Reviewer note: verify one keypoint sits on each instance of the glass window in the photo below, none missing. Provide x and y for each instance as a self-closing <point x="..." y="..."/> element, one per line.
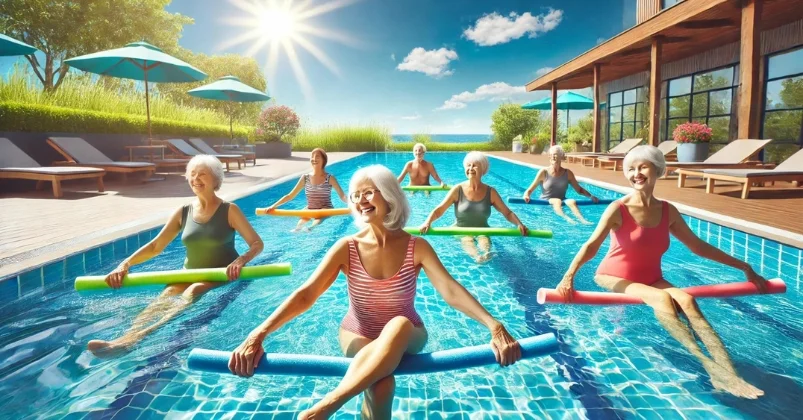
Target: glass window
<point x="705" y="97"/>
<point x="615" y="132"/>
<point x="630" y="96"/>
<point x="699" y="105"/>
<point x="785" y="93"/>
<point x="783" y="126"/>
<point x="720" y="102"/>
<point x="783" y="112"/>
<point x="716" y="79"/>
<point x="616" y="99"/>
<point x="681" y="86"/>
<point x="786" y="64"/>
<point x="616" y="114"/>
<point x="720" y="129"/>
<point x="625" y="114"/>
<point x="679" y="107"/>
<point x="669" y="3"/>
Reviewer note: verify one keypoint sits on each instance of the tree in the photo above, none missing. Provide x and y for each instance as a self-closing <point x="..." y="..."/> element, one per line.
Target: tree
<point x="511" y="120"/>
<point x="62" y="29"/>
<point x="582" y="131"/>
<point x="276" y="123"/>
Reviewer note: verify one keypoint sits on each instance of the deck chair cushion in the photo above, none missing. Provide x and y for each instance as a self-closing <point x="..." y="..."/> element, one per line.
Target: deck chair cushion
<point x="54" y="170"/>
<point x="737" y="151"/>
<point x="184" y="147"/>
<point x="793" y="165"/>
<point x="12" y="156"/>
<point x="81" y="151"/>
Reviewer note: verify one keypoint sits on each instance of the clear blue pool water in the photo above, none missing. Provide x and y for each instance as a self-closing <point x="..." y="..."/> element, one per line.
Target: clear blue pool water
<point x="614" y="362"/>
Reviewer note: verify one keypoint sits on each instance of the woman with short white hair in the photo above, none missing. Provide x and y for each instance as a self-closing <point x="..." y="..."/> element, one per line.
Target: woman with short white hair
<point x="554" y="181"/>
<point x="381" y="263"/>
<point x="640" y="225"/>
<point x="207" y="226"/>
<point x="472" y="202"/>
<point x="419" y="169"/>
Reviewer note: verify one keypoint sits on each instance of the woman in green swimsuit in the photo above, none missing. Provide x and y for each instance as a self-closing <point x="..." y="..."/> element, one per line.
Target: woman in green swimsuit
<point x="472" y="202"/>
<point x="207" y="227"/>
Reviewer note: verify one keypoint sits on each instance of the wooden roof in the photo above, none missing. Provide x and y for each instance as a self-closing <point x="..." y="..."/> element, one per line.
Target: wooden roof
<point x="690" y="27"/>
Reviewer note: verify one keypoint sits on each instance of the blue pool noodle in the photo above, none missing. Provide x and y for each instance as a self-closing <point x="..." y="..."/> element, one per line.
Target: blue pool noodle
<point x="312" y="365"/>
<point x="585" y="202"/>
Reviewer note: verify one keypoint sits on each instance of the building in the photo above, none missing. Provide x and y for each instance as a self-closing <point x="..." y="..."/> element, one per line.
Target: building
<point x="736" y="65"/>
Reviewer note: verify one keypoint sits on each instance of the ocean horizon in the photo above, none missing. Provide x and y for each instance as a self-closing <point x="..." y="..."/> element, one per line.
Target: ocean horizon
<point x="446" y="138"/>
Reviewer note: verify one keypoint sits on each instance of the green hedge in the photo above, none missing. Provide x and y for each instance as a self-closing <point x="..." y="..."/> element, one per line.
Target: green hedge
<point x="15" y="116"/>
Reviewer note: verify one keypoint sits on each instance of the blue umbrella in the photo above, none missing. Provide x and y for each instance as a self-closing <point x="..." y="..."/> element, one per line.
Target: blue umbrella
<point x="229" y="88"/>
<point x="10" y="46"/>
<point x="566" y="101"/>
<point x="138" y="61"/>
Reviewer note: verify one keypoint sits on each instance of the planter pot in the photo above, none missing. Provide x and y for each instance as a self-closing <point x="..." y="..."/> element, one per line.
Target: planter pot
<point x="692" y="152"/>
<point x="582" y="148"/>
<point x="536" y="149"/>
<point x="273" y="150"/>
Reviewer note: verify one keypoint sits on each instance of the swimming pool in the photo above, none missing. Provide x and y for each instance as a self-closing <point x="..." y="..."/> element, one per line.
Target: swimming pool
<point x="614" y="362"/>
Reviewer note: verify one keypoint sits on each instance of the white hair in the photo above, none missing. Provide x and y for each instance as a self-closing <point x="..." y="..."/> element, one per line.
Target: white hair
<point x="649" y="154"/>
<point x="557" y="150"/>
<point x="424" y="148"/>
<point x="386" y="183"/>
<point x="479" y="159"/>
<point x="211" y="163"/>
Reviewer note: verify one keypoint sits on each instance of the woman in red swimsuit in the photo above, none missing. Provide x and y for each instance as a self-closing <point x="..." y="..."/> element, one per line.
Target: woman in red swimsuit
<point x="381" y="263"/>
<point x="639" y="225"/>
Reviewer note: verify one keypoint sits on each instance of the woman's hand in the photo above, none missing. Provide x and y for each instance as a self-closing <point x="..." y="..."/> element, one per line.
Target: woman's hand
<point x="522" y="229"/>
<point x="526" y="197"/>
<point x="271" y="208"/>
<point x="424" y="227"/>
<point x="115" y="278"/>
<point x="755" y="278"/>
<point x="233" y="270"/>
<point x="505" y="347"/>
<point x="566" y="288"/>
<point x="245" y="358"/>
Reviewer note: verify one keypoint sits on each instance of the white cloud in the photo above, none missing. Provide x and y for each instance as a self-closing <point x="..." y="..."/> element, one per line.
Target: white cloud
<point x="432" y="63"/>
<point x="543" y="70"/>
<point x="493" y="29"/>
<point x="411" y="117"/>
<point x="498" y="91"/>
<point x="601" y="40"/>
<point x="393" y="57"/>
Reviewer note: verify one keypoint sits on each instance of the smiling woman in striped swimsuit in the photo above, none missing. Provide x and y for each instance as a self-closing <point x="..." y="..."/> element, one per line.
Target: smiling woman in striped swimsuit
<point x="317" y="187"/>
<point x="381" y="263"/>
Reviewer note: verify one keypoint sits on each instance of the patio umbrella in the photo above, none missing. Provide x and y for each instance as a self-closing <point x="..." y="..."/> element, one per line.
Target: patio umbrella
<point x="566" y="101"/>
<point x="138" y="61"/>
<point x="10" y="46"/>
<point x="229" y="88"/>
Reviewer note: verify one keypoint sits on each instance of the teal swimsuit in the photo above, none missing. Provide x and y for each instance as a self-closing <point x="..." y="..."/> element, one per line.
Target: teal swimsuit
<point x="472" y="213"/>
<point x="210" y="244"/>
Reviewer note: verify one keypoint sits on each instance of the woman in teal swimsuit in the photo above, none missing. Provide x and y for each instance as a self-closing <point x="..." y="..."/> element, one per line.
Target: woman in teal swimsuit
<point x="207" y="227"/>
<point x="472" y="202"/>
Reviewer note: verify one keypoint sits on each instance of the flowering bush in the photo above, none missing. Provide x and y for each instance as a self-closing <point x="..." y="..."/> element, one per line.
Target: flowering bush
<point x="692" y="132"/>
<point x="277" y="123"/>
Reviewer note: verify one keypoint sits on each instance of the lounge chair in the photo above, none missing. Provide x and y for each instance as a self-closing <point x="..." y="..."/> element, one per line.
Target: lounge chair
<point x="205" y="148"/>
<point x="620" y="149"/>
<point x="735" y="155"/>
<point x="790" y="170"/>
<point x="78" y="152"/>
<point x="182" y="148"/>
<point x="666" y="147"/>
<point x="16" y="164"/>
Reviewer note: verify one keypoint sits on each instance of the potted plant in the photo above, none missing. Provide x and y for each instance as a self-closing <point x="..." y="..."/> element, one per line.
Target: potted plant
<point x="274" y="129"/>
<point x="538" y="143"/>
<point x="693" y="141"/>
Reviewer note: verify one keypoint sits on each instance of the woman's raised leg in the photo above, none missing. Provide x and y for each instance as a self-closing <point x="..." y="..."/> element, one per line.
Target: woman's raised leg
<point x="572" y="205"/>
<point x="557" y="206"/>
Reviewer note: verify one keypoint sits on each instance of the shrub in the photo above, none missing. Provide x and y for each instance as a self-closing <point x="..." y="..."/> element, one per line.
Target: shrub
<point x="343" y="139"/>
<point x="277" y="123"/>
<point x="692" y="132"/>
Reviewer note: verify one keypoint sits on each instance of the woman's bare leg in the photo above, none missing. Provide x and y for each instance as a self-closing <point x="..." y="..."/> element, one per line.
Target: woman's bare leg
<point x="300" y="224"/>
<point x="470" y="247"/>
<point x="572" y="205"/>
<point x="484" y="244"/>
<point x="557" y="206"/>
<point x="315" y="222"/>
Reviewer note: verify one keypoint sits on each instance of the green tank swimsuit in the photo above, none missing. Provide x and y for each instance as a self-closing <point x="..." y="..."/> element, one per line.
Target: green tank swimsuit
<point x="210" y="244"/>
<point x="472" y="213"/>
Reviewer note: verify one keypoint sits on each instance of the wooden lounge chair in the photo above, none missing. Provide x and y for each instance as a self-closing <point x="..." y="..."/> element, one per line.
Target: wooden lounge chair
<point x="735" y="155"/>
<point x="621" y="149"/>
<point x="78" y="152"/>
<point x="16" y="164"/>
<point x="666" y="147"/>
<point x="182" y="148"/>
<point x="205" y="148"/>
<point x="790" y="170"/>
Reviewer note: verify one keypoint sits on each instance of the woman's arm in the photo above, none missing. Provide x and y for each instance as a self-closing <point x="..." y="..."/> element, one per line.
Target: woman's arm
<point x="239" y="223"/>
<point x="336" y="186"/>
<point x="539" y="178"/>
<point x="436" y="214"/>
<point x="501" y="207"/>
<point x="246" y="356"/>
<point x="459" y="298"/>
<point x="291" y="195"/>
<point x="680" y="230"/>
<point x="434" y="173"/>
<point x="406" y="169"/>
<point x="580" y="190"/>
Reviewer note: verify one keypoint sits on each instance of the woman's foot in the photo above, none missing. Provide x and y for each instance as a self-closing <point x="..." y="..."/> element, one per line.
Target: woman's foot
<point x="323" y="409"/>
<point x="728" y="381"/>
<point x="107" y="349"/>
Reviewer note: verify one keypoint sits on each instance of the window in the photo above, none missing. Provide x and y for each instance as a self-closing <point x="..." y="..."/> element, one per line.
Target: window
<point x="783" y="105"/>
<point x="669" y="3"/>
<point x="706" y="97"/>
<point x="625" y="115"/>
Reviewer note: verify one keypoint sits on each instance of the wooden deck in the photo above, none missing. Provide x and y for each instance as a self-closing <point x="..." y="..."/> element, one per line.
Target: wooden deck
<point x="779" y="207"/>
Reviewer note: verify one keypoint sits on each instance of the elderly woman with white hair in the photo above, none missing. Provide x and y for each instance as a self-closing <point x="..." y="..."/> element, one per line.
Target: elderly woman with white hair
<point x="472" y="202"/>
<point x="419" y="169"/>
<point x="207" y="226"/>
<point x="640" y="225"/>
<point x="381" y="263"/>
<point x="554" y="181"/>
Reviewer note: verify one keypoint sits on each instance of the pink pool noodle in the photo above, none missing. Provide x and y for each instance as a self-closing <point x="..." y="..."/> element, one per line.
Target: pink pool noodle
<point x="707" y="291"/>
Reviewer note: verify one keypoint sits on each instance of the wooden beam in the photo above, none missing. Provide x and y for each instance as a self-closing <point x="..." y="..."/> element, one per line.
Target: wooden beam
<point x="706" y="24"/>
<point x="655" y="92"/>
<point x="596" y="140"/>
<point x="554" y="114"/>
<point x="749" y="58"/>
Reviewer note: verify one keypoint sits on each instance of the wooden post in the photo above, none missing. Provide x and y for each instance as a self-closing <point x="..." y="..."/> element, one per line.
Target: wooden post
<point x="596" y="140"/>
<point x="749" y="63"/>
<point x="554" y="114"/>
<point x="655" y="92"/>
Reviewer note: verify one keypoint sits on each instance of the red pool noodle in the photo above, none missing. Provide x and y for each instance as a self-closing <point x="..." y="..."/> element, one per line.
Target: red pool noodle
<point x="712" y="290"/>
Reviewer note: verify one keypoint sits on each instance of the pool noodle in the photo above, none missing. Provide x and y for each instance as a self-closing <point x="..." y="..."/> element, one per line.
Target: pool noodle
<point x="583" y="202"/>
<point x="707" y="291"/>
<point x="309" y="213"/>
<point x="489" y="231"/>
<point x="312" y="365"/>
<point x="425" y="187"/>
<point x="85" y="283"/>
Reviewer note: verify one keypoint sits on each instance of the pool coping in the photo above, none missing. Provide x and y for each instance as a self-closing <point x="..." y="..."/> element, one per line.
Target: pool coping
<point x="779" y="235"/>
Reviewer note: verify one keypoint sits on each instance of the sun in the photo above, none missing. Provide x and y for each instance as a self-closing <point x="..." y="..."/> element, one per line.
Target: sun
<point x="283" y="26"/>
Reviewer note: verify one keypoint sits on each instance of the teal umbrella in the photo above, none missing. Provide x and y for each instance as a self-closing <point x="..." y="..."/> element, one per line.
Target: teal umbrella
<point x="229" y="88"/>
<point x="566" y="101"/>
<point x="138" y="61"/>
<point x="10" y="46"/>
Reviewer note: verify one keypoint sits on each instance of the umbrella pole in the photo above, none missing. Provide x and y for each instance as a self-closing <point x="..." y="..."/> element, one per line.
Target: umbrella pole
<point x="231" y="128"/>
<point x="148" y="108"/>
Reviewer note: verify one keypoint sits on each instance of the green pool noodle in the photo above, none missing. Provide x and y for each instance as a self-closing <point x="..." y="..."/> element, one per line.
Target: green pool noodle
<point x="425" y="187"/>
<point x="489" y="231"/>
<point x="151" y="278"/>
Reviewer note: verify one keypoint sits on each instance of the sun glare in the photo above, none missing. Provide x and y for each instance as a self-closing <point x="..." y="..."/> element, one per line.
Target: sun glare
<point x="283" y="25"/>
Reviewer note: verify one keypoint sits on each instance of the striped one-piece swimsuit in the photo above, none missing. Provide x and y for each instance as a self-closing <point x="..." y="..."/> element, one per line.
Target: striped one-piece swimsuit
<point x="374" y="302"/>
<point x="318" y="196"/>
